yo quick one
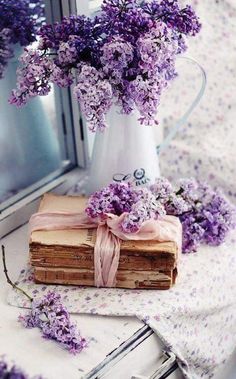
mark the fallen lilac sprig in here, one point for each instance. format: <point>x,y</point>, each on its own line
<point>49,315</point>
<point>53,319</point>
<point>206,214</point>
<point>13,372</point>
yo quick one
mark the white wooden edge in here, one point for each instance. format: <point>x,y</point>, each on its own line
<point>19,213</point>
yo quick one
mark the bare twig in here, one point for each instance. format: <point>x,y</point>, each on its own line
<point>7,277</point>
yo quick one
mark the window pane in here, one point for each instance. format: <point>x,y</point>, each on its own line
<point>36,141</point>
<point>94,5</point>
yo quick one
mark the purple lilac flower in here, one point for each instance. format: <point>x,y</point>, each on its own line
<point>182,20</point>
<point>176,205</point>
<point>139,204</point>
<point>117,54</point>
<point>59,76</point>
<point>206,215</point>
<point>53,319</point>
<point>146,97</point>
<point>19,22</point>
<point>95,96</point>
<point>205,192</point>
<point>146,208</point>
<point>130,48</point>
<point>156,49</point>
<point>210,217</point>
<point>219,218</point>
<point>193,233</point>
<point>22,18</point>
<point>33,78</point>
<point>3,367</point>
<point>12,372</point>
<point>162,189</point>
<point>185,21</point>
<point>116,198</point>
<point>125,18</point>
<point>67,52</point>
<point>79,30</point>
<point>189,189</point>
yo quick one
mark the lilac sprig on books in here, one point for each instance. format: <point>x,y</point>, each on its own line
<point>125,55</point>
<point>206,214</point>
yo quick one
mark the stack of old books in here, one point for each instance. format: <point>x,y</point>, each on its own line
<point>66,256</point>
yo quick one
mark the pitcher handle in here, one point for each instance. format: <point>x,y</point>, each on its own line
<point>186,115</point>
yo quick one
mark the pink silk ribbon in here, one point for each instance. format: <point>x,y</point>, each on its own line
<point>109,236</point>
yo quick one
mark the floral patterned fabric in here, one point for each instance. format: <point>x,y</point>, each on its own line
<point>206,145</point>
<point>196,319</point>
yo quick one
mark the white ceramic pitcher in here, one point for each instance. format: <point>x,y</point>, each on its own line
<point>127,151</point>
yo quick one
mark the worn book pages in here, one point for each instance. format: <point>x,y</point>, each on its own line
<point>66,256</point>
<point>125,278</point>
<point>74,248</point>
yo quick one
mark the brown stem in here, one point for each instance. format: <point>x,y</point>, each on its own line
<point>7,277</point>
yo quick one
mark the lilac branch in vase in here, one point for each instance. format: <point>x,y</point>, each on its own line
<point>125,56</point>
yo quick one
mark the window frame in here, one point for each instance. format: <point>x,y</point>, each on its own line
<point>19,213</point>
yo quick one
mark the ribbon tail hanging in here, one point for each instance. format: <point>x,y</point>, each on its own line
<point>106,257</point>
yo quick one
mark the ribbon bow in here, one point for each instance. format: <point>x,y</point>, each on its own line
<point>109,236</point>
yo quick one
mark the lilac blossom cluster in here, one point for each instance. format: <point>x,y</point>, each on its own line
<point>209,219</point>
<point>19,22</point>
<point>53,319</point>
<point>12,371</point>
<point>125,55</point>
<point>206,215</point>
<point>116,199</point>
